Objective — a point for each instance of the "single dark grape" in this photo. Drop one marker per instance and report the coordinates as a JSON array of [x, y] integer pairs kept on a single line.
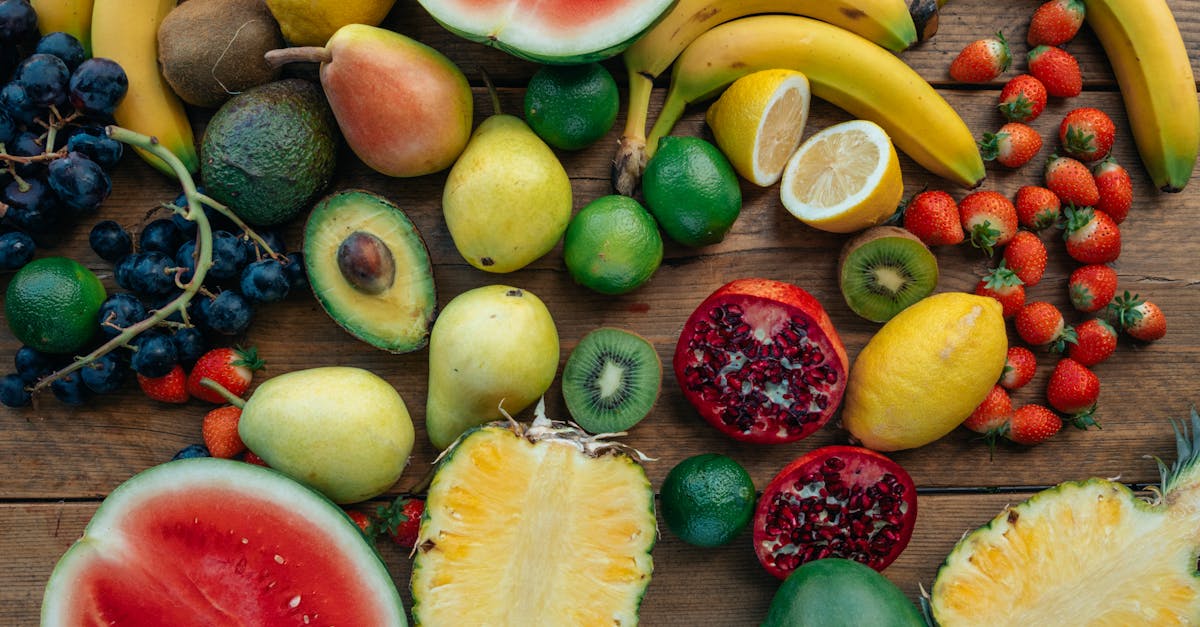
[[64, 46], [190, 451], [123, 270], [32, 364], [185, 258], [230, 313], [16, 101], [151, 276], [16, 250], [70, 389], [80, 182], [161, 235], [98, 85], [120, 311], [105, 151], [34, 209], [198, 310], [44, 77], [229, 256], [106, 374], [297, 277], [18, 21], [13, 392], [110, 240], [8, 127], [189, 344], [155, 355], [265, 281]]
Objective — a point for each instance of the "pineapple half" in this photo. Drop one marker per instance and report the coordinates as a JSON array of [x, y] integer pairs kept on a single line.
[[534, 525], [1084, 553]]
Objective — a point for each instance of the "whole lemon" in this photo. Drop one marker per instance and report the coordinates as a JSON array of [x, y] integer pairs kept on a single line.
[[925, 371], [307, 23]]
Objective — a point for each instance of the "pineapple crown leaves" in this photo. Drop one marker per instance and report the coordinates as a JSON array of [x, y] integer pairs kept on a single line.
[[1001, 277], [1018, 108], [249, 358], [1187, 452]]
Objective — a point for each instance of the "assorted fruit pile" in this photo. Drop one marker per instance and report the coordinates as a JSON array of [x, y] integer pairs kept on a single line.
[[554, 521]]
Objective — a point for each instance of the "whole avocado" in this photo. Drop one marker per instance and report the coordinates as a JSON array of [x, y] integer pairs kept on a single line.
[[268, 152], [836, 592]]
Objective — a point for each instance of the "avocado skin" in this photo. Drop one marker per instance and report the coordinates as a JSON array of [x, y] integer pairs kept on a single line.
[[836, 592], [269, 151]]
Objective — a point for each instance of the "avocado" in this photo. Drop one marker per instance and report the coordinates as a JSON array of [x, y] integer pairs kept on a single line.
[[269, 151], [370, 270], [837, 592]]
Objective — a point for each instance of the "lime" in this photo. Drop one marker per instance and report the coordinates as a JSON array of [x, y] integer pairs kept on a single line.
[[571, 106], [612, 245], [758, 122], [707, 499], [692, 190], [52, 304]]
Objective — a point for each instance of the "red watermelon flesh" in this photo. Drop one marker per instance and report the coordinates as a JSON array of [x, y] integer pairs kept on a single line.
[[220, 542]]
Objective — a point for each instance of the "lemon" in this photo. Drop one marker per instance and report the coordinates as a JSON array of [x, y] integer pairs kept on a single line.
[[306, 23], [844, 178], [758, 122], [925, 371], [612, 245], [707, 499], [52, 304]]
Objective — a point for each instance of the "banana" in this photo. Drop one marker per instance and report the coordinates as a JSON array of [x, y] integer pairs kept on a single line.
[[886, 22], [126, 31], [842, 68], [73, 17], [1148, 56]]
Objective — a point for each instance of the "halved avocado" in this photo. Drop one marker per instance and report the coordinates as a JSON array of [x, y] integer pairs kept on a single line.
[[370, 270]]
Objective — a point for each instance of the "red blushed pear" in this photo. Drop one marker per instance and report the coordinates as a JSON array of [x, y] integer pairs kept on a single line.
[[403, 107]]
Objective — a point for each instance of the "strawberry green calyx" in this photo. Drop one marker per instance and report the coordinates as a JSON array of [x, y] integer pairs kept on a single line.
[[1061, 341], [1124, 311], [984, 236], [1019, 109], [1002, 277], [1003, 56], [989, 146], [1080, 142], [1076, 218], [248, 358], [1086, 418]]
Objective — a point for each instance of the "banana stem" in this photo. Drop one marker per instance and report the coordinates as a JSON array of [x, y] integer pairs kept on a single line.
[[670, 114], [630, 160], [305, 54]]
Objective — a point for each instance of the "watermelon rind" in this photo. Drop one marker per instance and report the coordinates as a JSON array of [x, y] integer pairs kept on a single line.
[[106, 540]]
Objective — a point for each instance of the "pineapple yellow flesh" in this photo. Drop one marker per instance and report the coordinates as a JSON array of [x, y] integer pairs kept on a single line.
[[520, 533]]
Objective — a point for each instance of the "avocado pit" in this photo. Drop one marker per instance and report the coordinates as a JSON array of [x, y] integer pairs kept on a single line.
[[366, 263]]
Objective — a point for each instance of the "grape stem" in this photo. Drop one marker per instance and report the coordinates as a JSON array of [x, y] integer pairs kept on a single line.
[[225, 211]]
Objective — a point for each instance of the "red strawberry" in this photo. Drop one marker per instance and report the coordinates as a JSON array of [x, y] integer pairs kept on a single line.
[[252, 458], [1092, 236], [1057, 69], [1039, 324], [1032, 424], [233, 368], [1074, 389], [1092, 287], [1055, 22], [992, 414], [401, 520], [1022, 99], [1115, 187], [988, 218], [1095, 340], [1087, 134], [171, 388], [933, 217], [360, 519], [1019, 368], [981, 61], [1141, 319], [1071, 181], [1037, 207], [1026, 255], [1005, 286], [220, 430], [1013, 145]]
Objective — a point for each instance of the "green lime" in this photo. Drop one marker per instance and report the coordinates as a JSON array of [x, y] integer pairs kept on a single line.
[[612, 245], [692, 190], [571, 106], [707, 500], [52, 304]]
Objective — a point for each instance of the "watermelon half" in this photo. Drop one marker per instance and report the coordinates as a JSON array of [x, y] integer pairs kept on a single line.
[[561, 32], [219, 542]]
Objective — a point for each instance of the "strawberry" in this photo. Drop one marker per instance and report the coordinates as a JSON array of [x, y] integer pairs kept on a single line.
[[1013, 145], [988, 218], [1019, 368], [1071, 181], [1074, 389], [1055, 22], [992, 414], [1039, 324], [1022, 99], [252, 458], [361, 520], [933, 217], [982, 60], [1092, 236], [1032, 424], [1058, 71], [1087, 134], [220, 430], [1115, 187], [1037, 207], [401, 520], [1095, 340], [232, 368], [170, 388], [1026, 255], [1141, 319], [1005, 286], [1092, 287]]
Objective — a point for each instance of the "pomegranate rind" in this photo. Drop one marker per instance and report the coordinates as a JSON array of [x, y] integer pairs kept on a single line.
[[774, 302]]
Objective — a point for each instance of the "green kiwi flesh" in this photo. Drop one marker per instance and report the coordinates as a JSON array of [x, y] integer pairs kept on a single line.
[[884, 270], [611, 380]]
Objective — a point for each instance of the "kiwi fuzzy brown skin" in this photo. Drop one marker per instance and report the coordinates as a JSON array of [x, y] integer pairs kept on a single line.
[[866, 237], [598, 422], [209, 50]]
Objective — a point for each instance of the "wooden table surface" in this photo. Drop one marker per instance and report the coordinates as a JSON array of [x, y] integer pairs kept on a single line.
[[58, 462]]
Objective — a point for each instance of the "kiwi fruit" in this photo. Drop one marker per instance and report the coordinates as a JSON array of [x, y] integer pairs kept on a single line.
[[611, 380], [885, 269], [209, 50]]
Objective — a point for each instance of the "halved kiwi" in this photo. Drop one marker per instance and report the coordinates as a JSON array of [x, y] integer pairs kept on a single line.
[[884, 270], [611, 380]]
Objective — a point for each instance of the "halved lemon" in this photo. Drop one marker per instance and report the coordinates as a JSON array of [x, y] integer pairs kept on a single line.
[[844, 178], [758, 122]]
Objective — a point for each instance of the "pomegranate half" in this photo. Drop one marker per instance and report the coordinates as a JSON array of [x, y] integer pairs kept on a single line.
[[760, 360]]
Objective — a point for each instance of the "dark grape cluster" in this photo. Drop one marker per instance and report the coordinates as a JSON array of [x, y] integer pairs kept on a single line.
[[54, 155]]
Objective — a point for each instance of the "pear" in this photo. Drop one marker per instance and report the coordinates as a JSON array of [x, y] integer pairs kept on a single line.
[[507, 200], [403, 107], [491, 346]]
